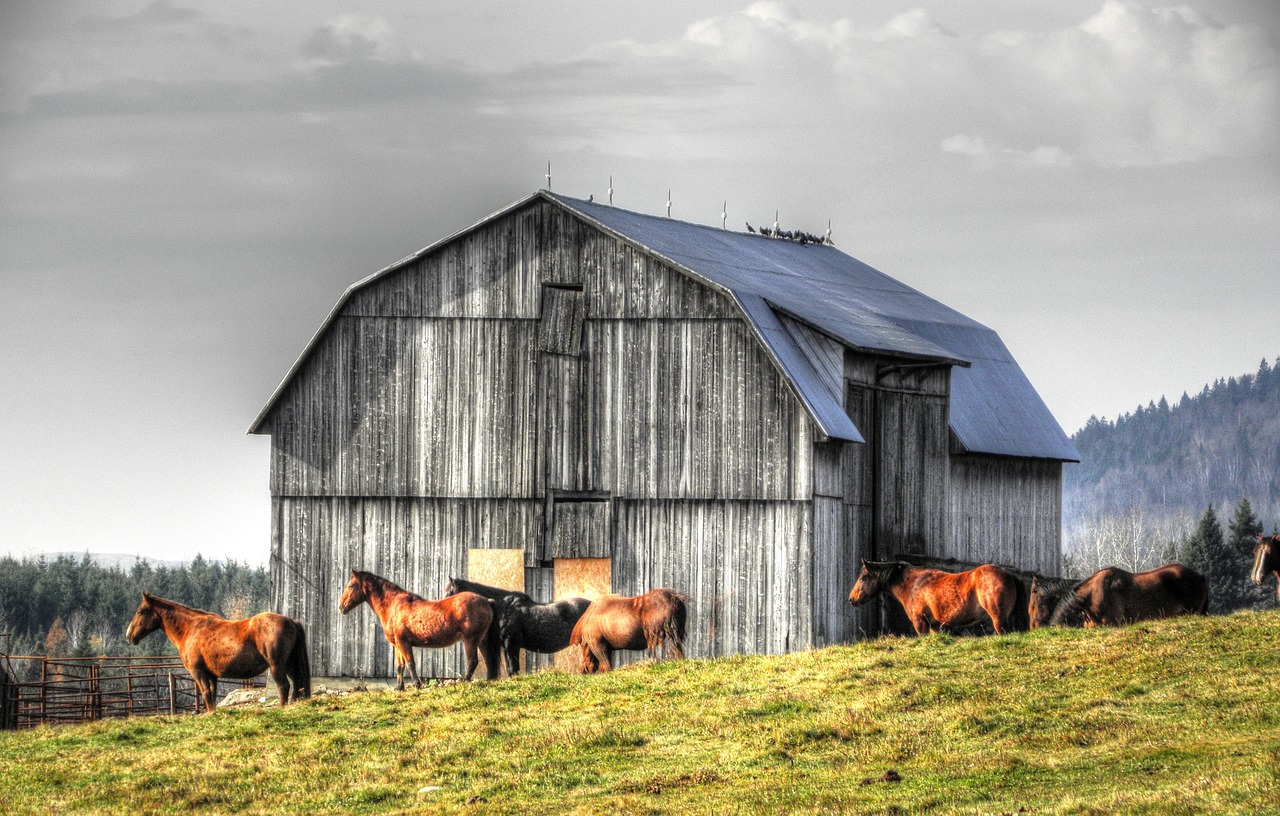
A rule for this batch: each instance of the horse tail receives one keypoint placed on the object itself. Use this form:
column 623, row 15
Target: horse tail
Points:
column 300, row 665
column 578, row 633
column 1020, row 621
column 673, row 628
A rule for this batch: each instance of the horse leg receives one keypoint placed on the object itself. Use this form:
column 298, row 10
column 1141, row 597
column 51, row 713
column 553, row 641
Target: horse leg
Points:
column 207, row 688
column 602, row 653
column 511, row 650
column 400, row 661
column 413, row 666
column 472, row 651
column 921, row 624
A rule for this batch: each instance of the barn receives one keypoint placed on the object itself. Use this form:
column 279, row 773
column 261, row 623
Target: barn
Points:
column 573, row 398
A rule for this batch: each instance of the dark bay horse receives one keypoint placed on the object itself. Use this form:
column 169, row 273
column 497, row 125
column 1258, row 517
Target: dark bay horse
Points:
column 211, row 646
column 1266, row 561
column 409, row 620
column 641, row 622
column 1116, row 597
column 522, row 623
column 934, row 599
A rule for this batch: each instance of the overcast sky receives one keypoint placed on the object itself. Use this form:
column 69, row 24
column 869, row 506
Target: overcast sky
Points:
column 187, row 188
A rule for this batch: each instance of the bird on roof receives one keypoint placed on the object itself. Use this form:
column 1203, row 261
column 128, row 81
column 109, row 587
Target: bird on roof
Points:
column 750, row 228
column 591, row 197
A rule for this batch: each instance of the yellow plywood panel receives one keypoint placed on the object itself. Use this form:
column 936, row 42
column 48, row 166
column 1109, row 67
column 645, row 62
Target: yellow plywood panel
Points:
column 497, row 568
column 579, row 578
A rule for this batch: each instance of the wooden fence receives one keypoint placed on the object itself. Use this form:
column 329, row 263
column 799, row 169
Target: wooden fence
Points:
column 70, row 689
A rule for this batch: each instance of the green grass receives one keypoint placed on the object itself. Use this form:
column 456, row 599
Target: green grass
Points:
column 1180, row 716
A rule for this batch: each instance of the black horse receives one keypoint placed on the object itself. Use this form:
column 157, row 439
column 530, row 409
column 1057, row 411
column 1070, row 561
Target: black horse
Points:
column 1054, row 603
column 522, row 623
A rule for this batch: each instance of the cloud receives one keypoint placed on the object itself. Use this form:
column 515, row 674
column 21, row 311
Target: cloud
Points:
column 158, row 13
column 347, row 37
column 1130, row 85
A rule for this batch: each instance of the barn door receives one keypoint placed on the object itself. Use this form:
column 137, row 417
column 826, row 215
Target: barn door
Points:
column 860, row 491
column 895, row 484
column 565, row 414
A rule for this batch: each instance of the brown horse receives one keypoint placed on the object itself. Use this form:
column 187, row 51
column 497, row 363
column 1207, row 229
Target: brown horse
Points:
column 1266, row 560
column 641, row 622
column 934, row 599
column 211, row 646
column 1116, row 597
column 409, row 620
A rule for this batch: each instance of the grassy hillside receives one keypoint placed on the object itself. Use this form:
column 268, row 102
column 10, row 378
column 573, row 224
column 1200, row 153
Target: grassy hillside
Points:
column 1180, row 716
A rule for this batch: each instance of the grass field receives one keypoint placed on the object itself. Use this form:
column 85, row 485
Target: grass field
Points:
column 1179, row 716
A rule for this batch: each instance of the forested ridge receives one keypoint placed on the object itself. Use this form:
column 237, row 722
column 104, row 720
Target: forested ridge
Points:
column 1219, row 446
column 72, row 607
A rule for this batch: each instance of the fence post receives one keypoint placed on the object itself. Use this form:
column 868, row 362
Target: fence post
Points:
column 44, row 672
column 172, row 705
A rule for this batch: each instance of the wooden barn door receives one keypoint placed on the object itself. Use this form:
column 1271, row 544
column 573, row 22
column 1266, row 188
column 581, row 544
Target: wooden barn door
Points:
column 564, row 415
column 896, row 482
column 860, row 481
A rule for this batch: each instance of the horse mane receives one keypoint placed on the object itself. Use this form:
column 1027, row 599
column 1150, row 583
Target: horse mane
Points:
column 153, row 599
column 1068, row 609
column 379, row 581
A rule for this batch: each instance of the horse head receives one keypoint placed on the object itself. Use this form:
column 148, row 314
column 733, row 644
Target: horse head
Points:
column 1053, row 603
column 145, row 621
column 1266, row 559
column 874, row 578
column 453, row 587
column 354, row 594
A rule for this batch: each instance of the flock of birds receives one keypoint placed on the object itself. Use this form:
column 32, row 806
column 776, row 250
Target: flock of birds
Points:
column 799, row 236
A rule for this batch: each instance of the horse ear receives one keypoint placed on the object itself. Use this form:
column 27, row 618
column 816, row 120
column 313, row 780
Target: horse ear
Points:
column 146, row 596
column 354, row 572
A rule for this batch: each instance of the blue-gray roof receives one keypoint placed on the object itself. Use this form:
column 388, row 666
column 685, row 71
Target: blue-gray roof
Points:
column 994, row 408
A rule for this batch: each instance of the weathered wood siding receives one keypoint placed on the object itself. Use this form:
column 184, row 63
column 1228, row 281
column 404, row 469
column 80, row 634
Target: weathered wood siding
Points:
column 534, row 356
column 416, row 542
column 745, row 566
column 1007, row 511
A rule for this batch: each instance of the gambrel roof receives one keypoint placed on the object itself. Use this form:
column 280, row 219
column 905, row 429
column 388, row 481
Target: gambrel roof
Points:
column 994, row 408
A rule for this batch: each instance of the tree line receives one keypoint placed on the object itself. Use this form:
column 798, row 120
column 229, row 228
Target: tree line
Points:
column 69, row 607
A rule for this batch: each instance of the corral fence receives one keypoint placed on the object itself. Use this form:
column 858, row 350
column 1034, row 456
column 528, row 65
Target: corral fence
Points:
column 82, row 689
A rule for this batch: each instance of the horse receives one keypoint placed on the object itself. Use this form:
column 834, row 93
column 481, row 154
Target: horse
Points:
column 211, row 646
column 1053, row 603
column 641, row 622
column 1266, row 559
column 934, row 599
column 409, row 620
column 522, row 623
column 1115, row 597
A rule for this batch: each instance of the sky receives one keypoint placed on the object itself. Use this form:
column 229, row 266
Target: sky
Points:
column 186, row 189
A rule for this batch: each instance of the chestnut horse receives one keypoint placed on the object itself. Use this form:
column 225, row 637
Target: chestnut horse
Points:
column 934, row 599
column 409, row 620
column 1116, row 597
column 641, row 622
column 211, row 646
column 1266, row 560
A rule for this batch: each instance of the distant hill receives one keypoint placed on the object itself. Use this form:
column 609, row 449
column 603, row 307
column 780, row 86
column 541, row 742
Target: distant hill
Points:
column 1219, row 446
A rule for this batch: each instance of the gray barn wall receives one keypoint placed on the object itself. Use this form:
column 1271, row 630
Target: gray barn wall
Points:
column 440, row 410
column 1007, row 511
